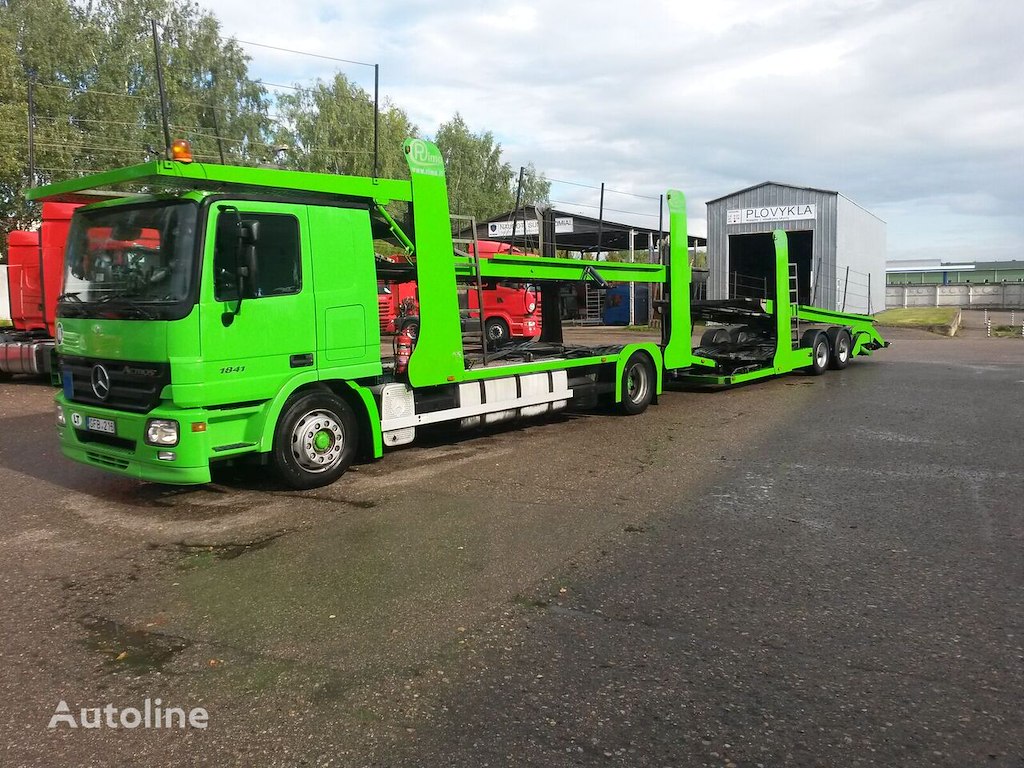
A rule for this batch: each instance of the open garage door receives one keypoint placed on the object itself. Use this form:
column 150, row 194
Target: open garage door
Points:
column 752, row 264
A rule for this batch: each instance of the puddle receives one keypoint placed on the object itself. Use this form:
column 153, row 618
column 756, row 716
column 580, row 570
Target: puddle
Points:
column 127, row 648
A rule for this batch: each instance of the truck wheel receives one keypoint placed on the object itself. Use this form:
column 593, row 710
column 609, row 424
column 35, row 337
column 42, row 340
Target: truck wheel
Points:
column 315, row 439
column 841, row 345
column 715, row 336
column 818, row 343
column 412, row 327
column 637, row 384
column 497, row 332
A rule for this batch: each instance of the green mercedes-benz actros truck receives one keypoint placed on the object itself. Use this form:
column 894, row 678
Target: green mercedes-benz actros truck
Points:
column 231, row 312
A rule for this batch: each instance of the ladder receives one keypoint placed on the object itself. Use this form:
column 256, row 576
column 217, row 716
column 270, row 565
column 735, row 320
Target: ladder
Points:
column 794, row 300
column 479, row 329
column 594, row 308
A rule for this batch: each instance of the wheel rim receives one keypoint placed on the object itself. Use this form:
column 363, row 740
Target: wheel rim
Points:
column 412, row 330
column 495, row 332
column 318, row 441
column 821, row 354
column 636, row 383
column 842, row 348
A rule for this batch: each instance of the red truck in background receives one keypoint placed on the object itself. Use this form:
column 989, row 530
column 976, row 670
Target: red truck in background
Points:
column 35, row 263
column 511, row 310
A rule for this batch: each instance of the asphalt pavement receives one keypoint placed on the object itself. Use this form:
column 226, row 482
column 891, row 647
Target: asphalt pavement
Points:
column 805, row 571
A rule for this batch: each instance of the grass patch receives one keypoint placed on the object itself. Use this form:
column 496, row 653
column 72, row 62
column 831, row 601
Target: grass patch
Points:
column 938, row 319
column 1007, row 330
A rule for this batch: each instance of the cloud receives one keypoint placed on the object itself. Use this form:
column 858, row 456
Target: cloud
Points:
column 912, row 109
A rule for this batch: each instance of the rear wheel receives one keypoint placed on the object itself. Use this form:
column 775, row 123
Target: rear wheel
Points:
column 315, row 440
column 637, row 384
column 818, row 343
column 842, row 346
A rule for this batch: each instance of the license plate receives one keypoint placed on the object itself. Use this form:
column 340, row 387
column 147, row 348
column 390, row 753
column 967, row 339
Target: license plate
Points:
column 101, row 425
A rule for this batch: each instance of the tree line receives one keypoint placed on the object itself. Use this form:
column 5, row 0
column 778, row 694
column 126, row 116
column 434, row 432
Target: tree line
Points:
column 92, row 70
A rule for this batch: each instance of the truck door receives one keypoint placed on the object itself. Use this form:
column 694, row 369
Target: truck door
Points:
column 254, row 342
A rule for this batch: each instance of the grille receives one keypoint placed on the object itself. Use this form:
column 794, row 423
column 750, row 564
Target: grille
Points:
column 106, row 461
column 134, row 387
column 101, row 438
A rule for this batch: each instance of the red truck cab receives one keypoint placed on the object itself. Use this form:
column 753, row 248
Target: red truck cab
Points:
column 511, row 310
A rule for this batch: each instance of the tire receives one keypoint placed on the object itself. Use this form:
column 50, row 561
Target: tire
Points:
column 817, row 341
column 638, row 383
column 743, row 335
column 496, row 331
column 841, row 347
column 412, row 327
column 315, row 440
column 714, row 336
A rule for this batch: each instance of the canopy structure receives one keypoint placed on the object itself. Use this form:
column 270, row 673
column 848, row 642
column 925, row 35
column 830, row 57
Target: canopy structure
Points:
column 546, row 230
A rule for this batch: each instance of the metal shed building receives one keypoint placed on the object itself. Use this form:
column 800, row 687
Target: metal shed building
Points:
column 838, row 246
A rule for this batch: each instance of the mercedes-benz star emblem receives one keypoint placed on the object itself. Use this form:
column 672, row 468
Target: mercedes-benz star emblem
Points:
column 100, row 382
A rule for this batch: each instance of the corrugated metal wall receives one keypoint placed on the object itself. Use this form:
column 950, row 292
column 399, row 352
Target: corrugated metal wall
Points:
column 861, row 247
column 823, row 254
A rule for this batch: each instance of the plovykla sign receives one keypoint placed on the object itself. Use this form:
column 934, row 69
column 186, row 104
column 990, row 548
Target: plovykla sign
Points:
column 765, row 213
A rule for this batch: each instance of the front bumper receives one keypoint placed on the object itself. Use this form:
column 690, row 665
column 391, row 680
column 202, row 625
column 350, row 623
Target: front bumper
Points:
column 126, row 453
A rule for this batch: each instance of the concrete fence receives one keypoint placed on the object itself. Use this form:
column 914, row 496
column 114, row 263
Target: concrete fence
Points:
column 965, row 295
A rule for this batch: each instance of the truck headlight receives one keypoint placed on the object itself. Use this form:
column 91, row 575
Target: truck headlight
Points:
column 61, row 419
column 161, row 432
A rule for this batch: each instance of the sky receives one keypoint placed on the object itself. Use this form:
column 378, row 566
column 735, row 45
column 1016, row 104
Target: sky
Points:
column 913, row 110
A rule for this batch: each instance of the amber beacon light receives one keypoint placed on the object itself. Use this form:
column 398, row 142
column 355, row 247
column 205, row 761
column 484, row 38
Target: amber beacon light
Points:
column 181, row 151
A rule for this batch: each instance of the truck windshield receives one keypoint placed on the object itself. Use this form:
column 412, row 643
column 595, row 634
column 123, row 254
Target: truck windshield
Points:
column 136, row 261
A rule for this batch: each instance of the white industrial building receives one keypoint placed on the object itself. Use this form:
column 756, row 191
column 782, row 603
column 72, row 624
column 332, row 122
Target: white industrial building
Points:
column 838, row 246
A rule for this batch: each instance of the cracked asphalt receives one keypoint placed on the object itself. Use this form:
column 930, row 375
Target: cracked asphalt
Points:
column 806, row 571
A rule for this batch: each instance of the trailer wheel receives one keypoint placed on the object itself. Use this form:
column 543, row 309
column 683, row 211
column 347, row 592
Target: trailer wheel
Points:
column 841, row 345
column 818, row 343
column 637, row 384
column 315, row 440
column 497, row 332
column 714, row 336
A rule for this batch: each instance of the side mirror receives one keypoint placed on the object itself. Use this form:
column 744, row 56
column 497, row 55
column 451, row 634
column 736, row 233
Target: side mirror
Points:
column 245, row 262
column 248, row 236
column 249, row 232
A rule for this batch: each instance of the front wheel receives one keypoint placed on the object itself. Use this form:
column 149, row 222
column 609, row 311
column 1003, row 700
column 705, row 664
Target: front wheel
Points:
column 411, row 327
column 315, row 440
column 497, row 332
column 637, row 384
